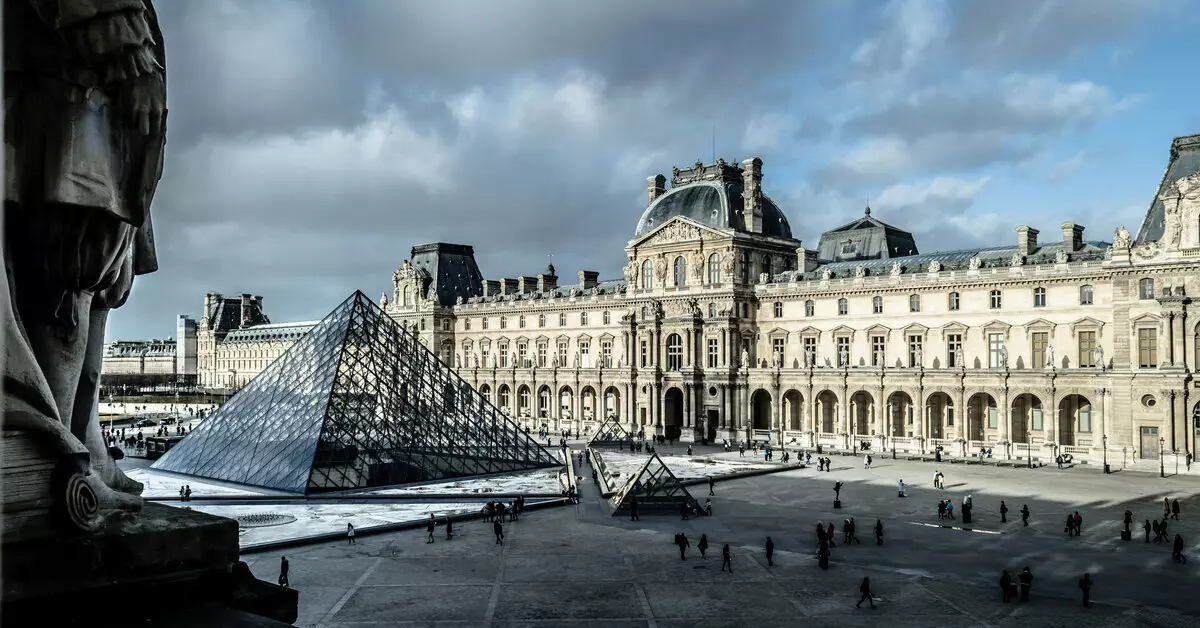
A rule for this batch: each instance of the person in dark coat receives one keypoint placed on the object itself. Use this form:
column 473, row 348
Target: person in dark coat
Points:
column 821, row 537
column 1128, row 519
column 429, row 528
column 284, row 567
column 1026, row 578
column 1005, row 587
column 683, row 510
column 1146, row 527
column 1077, row 523
column 879, row 532
column 823, row 555
column 703, row 545
column 1025, row 514
column 449, row 528
column 850, row 535
column 867, row 596
column 1177, row 550
column 770, row 552
column 829, row 535
column 711, row 484
column 633, row 509
column 1085, row 585
column 726, row 560
column 1175, row 509
column 1003, row 512
column 499, row 530
column 682, row 541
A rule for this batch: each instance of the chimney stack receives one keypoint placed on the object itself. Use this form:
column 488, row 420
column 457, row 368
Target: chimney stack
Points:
column 508, row 286
column 752, row 194
column 1027, row 243
column 208, row 298
column 527, row 284
column 245, row 310
column 491, row 288
column 588, row 279
column 1072, row 236
column 547, row 282
column 655, row 187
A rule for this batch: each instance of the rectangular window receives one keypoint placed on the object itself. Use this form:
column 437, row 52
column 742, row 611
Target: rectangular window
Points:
column 843, row 351
column 843, row 307
column 606, row 352
column 1087, row 349
column 542, row 355
column 1085, row 420
column 467, row 324
column 522, row 355
column 503, row 356
column 953, row 350
column 607, row 317
column 645, row 354
column 583, row 319
column 1037, row 420
column 952, row 302
column 914, row 350
column 878, row 344
column 562, row 354
column 993, row 418
column 1039, row 339
column 584, row 349
column 776, row 349
column 810, row 349
column 485, row 322
column 562, row 320
column 714, row 353
column 1147, row 348
column 1085, row 295
column 995, row 349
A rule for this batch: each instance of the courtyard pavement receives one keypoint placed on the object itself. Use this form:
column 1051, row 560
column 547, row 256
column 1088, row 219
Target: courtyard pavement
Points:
column 578, row 566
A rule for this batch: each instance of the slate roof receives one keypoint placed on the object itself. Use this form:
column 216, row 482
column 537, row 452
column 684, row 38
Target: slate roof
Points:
column 717, row 204
column 871, row 238
column 269, row 333
column 1185, row 161
column 225, row 314
column 452, row 271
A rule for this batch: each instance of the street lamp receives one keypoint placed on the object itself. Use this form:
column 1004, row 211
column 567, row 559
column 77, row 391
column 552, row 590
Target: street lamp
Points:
column 1028, row 444
column 1104, row 439
column 1162, row 471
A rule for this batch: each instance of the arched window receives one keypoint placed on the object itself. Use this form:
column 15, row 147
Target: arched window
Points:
column 504, row 397
column 877, row 305
column 1146, row 288
column 647, row 275
column 746, row 267
column 406, row 296
column 778, row 309
column 1039, row 297
column 1085, row 295
column 995, row 299
column 541, row 320
column 712, row 310
column 810, row 308
column 503, row 322
column 766, row 266
column 952, row 301
column 674, row 352
column 523, row 399
column 914, row 303
column 680, row 272
column 607, row 317
column 843, row 307
column 714, row 268
column 583, row 319
column 521, row 321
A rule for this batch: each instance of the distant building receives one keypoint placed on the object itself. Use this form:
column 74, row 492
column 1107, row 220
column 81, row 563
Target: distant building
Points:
column 185, row 345
column 139, row 357
column 235, row 340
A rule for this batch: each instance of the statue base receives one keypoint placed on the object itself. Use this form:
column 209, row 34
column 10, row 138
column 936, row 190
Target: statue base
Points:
column 147, row 567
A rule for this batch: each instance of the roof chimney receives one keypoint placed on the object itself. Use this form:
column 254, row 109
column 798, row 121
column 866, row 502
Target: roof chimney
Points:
column 1072, row 236
column 245, row 310
column 208, row 298
column 491, row 288
column 588, row 279
column 655, row 187
column 1027, row 242
column 752, row 194
column 527, row 284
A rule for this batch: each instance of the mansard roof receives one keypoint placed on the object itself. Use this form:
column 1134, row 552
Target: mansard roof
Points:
column 1184, row 162
column 865, row 238
column 711, row 195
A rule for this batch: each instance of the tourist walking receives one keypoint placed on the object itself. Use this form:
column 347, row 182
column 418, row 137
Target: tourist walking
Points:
column 682, row 541
column 1026, row 578
column 284, row 567
column 770, row 552
column 1146, row 526
column 1175, row 509
column 879, row 532
column 1025, row 514
column 684, row 509
column 900, row 488
column 633, row 509
column 867, row 461
column 1006, row 587
column 703, row 545
column 711, row 484
column 726, row 561
column 1177, row 550
column 429, row 528
column 449, row 528
column 1077, row 521
column 1003, row 512
column 867, row 595
column 851, row 535
column 1128, row 519
column 350, row 533
column 1085, row 585
column 499, row 531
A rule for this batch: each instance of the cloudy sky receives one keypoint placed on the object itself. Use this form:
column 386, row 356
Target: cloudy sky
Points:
column 312, row 143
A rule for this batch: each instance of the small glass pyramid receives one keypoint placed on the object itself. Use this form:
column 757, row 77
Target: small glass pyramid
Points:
column 356, row 403
column 611, row 435
column 656, row 490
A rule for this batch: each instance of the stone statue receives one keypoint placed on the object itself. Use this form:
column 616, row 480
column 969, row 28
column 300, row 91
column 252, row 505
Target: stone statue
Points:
column 475, row 359
column 1122, row 238
column 1050, row 356
column 383, row 301
column 85, row 132
column 745, row 358
column 660, row 269
column 631, row 272
column 843, row 357
column 810, row 357
column 727, row 265
column 1061, row 257
column 1100, row 357
column 1003, row 357
column 958, row 357
column 975, row 263
column 554, row 361
column 860, row 272
column 457, row 360
column 897, row 269
column 1016, row 260
column 693, row 307
column 917, row 356
column 459, row 300
column 576, row 359
column 826, row 274
column 935, row 266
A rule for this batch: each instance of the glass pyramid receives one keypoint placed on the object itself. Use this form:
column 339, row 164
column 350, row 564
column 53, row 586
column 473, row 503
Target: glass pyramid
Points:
column 358, row 402
column 611, row 435
column 656, row 490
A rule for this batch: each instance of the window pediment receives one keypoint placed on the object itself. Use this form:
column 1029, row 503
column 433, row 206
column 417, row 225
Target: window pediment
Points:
column 562, row 338
column 843, row 330
column 998, row 326
column 606, row 336
column 524, row 339
column 810, row 332
column 541, row 339
column 1147, row 320
column 583, row 338
column 879, row 330
column 1087, row 323
column 954, row 327
column 778, row 332
column 915, row 328
column 1040, row 324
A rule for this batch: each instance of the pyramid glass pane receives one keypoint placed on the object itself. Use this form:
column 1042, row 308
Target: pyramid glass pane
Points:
column 358, row 402
column 612, row 435
column 655, row 488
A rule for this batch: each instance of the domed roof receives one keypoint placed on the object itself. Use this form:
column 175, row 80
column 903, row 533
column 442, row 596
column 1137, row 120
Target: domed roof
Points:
column 717, row 204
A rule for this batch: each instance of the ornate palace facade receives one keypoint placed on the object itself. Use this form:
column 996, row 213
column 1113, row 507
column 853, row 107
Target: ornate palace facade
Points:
column 726, row 327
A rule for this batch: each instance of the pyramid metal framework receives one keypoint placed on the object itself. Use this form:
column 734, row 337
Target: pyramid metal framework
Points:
column 356, row 403
column 656, row 489
column 611, row 435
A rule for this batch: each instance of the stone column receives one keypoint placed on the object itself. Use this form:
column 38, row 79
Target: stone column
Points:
column 687, row 407
column 723, row 421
